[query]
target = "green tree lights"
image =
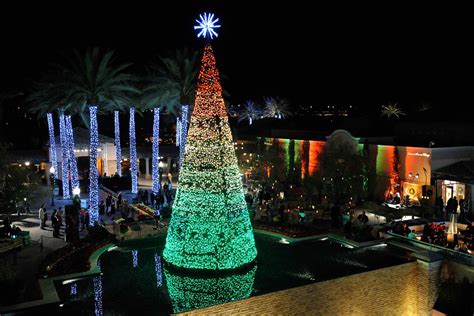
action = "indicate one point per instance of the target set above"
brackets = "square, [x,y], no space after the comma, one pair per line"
[191,292]
[210,226]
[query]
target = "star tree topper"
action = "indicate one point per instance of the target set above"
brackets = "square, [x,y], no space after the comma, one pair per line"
[206,25]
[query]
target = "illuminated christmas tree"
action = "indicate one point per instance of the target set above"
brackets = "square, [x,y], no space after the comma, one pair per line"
[210,227]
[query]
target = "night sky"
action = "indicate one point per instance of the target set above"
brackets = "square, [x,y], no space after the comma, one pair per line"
[359,55]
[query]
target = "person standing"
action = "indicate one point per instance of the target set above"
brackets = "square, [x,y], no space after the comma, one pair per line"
[53,222]
[108,204]
[41,217]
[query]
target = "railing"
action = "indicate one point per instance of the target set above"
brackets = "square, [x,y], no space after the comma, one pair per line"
[457,256]
[137,230]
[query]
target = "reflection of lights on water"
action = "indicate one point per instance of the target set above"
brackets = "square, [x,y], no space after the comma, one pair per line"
[135,258]
[73,289]
[159,278]
[284,241]
[305,275]
[97,281]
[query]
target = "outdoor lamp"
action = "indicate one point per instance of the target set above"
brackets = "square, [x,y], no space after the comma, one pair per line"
[76,191]
[51,170]
[27,163]
[417,175]
[160,164]
[410,175]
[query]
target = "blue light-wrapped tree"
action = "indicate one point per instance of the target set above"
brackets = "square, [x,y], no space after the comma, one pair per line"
[72,157]
[64,156]
[52,145]
[118,148]
[155,174]
[133,152]
[93,173]
[183,133]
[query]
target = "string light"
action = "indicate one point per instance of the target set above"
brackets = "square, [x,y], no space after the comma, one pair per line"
[210,227]
[178,130]
[135,258]
[98,293]
[133,152]
[52,145]
[94,173]
[64,157]
[189,292]
[155,172]
[72,158]
[159,273]
[183,133]
[118,149]
[73,290]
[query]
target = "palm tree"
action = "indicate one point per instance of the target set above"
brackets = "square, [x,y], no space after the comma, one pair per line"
[88,83]
[392,109]
[171,82]
[250,112]
[276,108]
[92,78]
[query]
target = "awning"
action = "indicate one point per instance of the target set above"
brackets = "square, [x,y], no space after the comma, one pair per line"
[462,171]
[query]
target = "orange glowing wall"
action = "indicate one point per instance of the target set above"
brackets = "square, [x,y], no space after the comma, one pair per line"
[415,160]
[315,148]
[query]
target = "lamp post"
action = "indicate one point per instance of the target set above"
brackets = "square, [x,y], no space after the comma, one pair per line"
[76,191]
[51,178]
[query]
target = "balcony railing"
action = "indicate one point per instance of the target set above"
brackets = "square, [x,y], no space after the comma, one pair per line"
[457,256]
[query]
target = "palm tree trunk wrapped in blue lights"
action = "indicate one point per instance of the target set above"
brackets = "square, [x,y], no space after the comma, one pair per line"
[184,131]
[52,145]
[133,152]
[94,173]
[210,227]
[118,148]
[155,173]
[72,157]
[178,130]
[64,156]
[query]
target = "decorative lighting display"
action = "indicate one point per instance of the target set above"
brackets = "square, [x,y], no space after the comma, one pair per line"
[135,258]
[188,292]
[158,271]
[98,293]
[118,149]
[178,130]
[73,290]
[206,25]
[155,171]
[72,158]
[210,227]
[52,145]
[183,132]
[133,152]
[64,157]
[93,173]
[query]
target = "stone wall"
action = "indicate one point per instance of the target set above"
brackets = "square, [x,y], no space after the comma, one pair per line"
[407,289]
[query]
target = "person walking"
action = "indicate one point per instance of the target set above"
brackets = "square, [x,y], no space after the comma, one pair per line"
[41,213]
